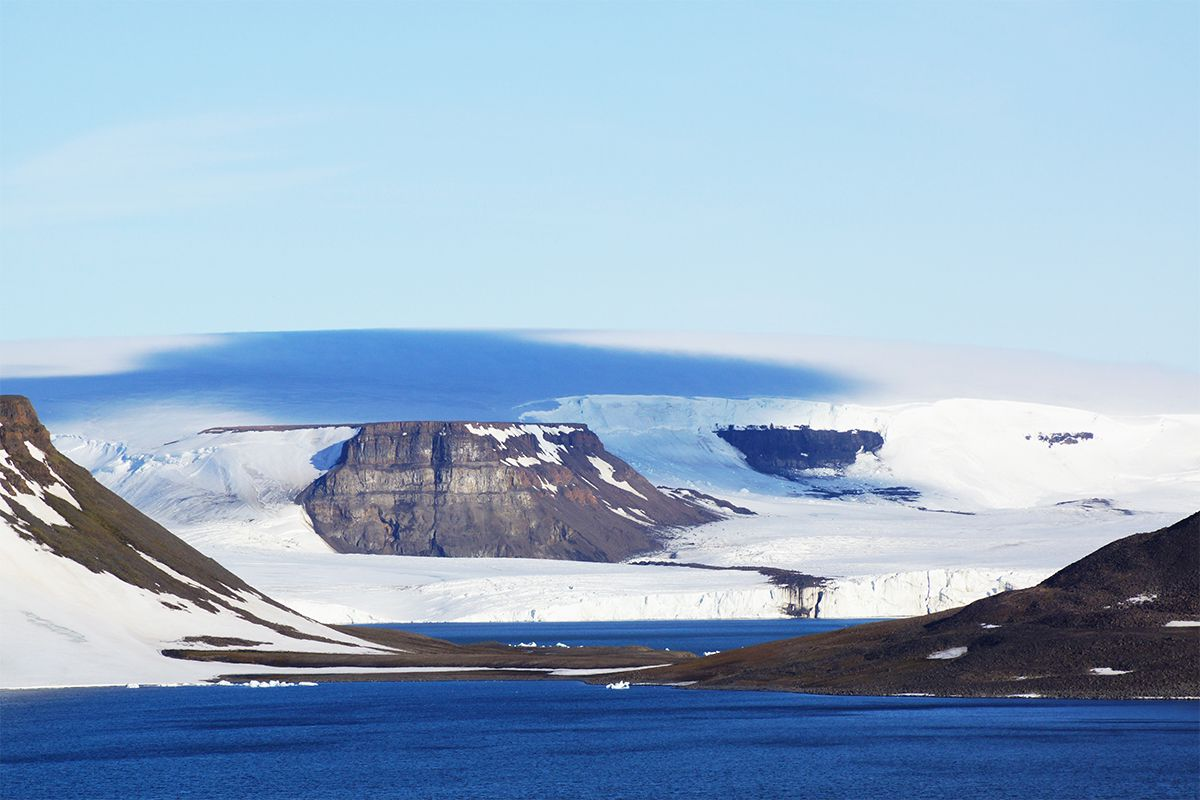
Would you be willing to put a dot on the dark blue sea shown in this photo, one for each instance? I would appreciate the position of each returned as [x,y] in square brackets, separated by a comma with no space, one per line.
[694,636]
[571,740]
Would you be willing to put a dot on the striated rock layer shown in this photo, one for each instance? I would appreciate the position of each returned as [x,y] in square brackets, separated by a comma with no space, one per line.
[489,489]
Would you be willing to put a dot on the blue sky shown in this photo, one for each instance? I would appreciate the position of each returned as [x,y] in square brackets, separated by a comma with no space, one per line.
[1011,174]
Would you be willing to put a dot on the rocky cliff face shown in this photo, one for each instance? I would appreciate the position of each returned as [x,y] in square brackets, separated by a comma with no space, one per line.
[489,489]
[785,451]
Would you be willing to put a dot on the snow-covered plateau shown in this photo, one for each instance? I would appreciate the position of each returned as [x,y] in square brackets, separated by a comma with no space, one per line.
[998,508]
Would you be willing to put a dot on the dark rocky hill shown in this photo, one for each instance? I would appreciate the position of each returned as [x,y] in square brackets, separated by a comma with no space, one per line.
[1101,627]
[489,489]
[786,451]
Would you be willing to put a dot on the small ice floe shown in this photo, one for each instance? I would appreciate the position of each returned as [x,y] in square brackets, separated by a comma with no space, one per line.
[711,652]
[524,644]
[948,653]
[1109,671]
[1138,599]
[988,626]
[133,686]
[560,644]
[913,694]
[1183,623]
[1027,695]
[273,684]
[617,685]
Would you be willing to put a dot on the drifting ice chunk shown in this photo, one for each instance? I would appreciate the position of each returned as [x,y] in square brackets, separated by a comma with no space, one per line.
[1109,671]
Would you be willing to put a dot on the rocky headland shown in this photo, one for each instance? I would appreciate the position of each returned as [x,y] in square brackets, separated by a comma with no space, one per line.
[1123,622]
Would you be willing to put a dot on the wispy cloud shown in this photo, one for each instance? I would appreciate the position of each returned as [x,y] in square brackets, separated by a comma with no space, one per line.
[152,168]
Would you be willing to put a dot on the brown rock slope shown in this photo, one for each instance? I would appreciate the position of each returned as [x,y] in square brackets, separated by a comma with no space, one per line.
[1098,628]
[489,489]
[48,501]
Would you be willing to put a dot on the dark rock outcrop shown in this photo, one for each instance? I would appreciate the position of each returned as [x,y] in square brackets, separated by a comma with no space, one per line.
[1098,628]
[1063,437]
[786,451]
[489,489]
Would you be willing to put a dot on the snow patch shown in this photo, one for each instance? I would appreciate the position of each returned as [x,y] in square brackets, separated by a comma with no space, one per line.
[607,472]
[948,653]
[1108,671]
[521,461]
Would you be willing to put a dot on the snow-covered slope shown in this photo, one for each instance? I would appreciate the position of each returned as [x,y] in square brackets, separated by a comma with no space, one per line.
[91,590]
[972,454]
[234,487]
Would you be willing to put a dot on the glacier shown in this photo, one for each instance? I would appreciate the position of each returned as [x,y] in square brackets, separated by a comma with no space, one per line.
[230,493]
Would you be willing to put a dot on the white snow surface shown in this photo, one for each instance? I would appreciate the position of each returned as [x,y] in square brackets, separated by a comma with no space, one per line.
[63,624]
[241,483]
[972,453]
[375,588]
[947,654]
[905,594]
[607,470]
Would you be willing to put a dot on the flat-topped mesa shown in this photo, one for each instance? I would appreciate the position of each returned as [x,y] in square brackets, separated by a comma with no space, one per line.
[18,416]
[786,451]
[478,489]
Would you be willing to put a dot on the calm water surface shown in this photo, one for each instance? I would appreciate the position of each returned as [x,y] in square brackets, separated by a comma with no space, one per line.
[570,740]
[694,636]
